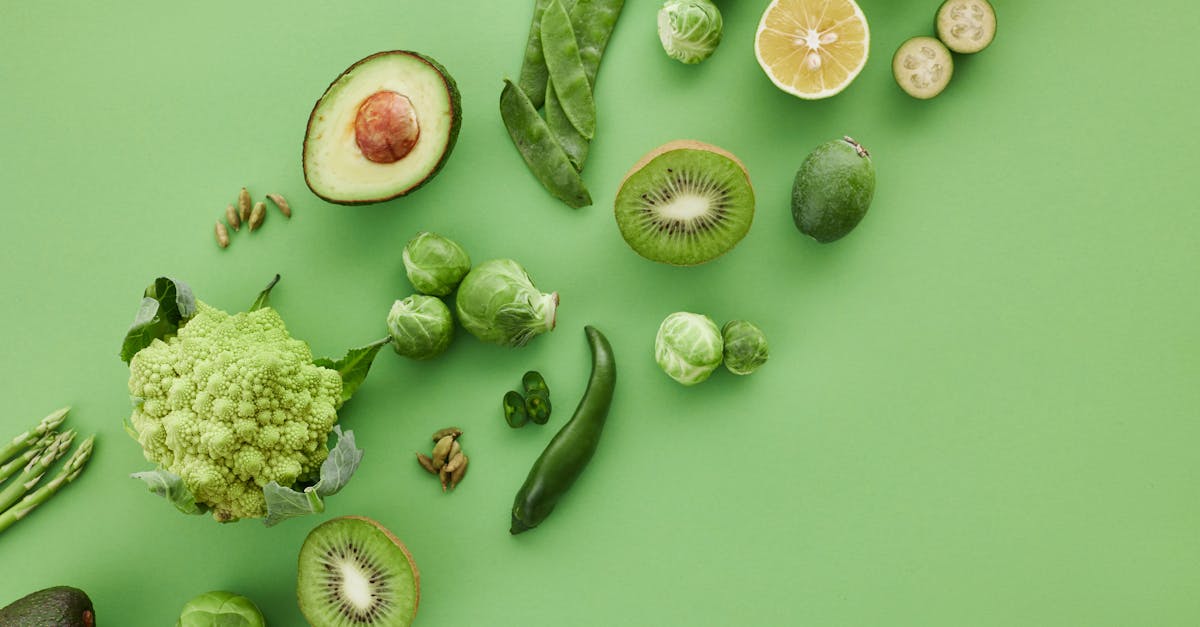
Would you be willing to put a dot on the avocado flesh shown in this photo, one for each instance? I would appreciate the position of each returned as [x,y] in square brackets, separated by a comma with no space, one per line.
[334,165]
[62,606]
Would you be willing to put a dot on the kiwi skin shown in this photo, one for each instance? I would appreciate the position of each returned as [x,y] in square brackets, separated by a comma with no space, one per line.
[686,144]
[412,563]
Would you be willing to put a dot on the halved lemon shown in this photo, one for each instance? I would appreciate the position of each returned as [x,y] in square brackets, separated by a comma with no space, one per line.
[812,48]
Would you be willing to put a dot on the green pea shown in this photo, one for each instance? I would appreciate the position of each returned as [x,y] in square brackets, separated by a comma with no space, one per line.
[593,22]
[514,410]
[567,76]
[541,153]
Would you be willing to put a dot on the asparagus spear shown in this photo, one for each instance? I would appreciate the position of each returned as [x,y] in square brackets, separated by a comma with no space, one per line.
[35,469]
[18,462]
[70,470]
[29,438]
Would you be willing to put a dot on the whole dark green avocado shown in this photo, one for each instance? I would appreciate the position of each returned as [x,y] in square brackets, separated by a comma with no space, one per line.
[61,606]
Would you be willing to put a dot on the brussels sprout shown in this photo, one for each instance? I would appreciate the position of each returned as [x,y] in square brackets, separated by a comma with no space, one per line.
[689,29]
[688,347]
[435,264]
[421,326]
[745,347]
[220,609]
[498,303]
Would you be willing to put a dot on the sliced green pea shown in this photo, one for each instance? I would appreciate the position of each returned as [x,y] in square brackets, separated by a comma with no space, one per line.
[514,410]
[569,80]
[541,153]
[537,407]
[533,382]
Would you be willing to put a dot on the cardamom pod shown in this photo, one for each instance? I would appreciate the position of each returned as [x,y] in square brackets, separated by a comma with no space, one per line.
[426,463]
[454,463]
[441,452]
[231,216]
[455,449]
[453,432]
[282,204]
[459,472]
[258,215]
[444,475]
[244,204]
[222,235]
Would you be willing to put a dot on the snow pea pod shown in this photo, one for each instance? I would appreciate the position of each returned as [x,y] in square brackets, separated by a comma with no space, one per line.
[533,68]
[541,153]
[593,22]
[569,79]
[573,446]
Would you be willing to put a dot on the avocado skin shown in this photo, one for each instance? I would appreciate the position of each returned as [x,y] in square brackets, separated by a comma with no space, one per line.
[61,606]
[455,125]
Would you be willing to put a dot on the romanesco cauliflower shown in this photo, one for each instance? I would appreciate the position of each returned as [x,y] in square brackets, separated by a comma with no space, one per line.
[231,403]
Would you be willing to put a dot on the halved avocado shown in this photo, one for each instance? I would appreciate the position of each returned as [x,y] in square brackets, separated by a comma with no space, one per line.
[382,129]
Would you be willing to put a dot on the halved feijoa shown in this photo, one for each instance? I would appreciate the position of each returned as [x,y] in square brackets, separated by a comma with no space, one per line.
[685,203]
[922,67]
[382,129]
[355,573]
[966,26]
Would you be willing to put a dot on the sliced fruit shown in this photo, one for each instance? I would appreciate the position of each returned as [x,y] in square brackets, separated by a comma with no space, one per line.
[382,129]
[922,67]
[685,203]
[812,48]
[355,573]
[966,26]
[833,189]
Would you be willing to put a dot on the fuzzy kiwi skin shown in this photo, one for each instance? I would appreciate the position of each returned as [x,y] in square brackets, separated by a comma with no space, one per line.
[391,536]
[685,144]
[833,190]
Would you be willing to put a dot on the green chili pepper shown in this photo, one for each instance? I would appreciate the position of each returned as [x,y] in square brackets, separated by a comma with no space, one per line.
[573,446]
[514,410]
[593,22]
[533,382]
[541,153]
[537,406]
[569,79]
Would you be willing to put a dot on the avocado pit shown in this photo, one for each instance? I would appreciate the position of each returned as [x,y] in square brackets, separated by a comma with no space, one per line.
[386,127]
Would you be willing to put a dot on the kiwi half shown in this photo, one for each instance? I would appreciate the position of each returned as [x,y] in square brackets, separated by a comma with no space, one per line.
[685,203]
[355,573]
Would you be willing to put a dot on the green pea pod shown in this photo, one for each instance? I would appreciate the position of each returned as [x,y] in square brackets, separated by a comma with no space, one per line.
[573,446]
[541,153]
[514,410]
[532,381]
[537,406]
[569,80]
[593,22]
[533,68]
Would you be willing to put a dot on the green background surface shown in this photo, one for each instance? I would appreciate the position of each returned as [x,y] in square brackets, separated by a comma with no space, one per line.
[981,407]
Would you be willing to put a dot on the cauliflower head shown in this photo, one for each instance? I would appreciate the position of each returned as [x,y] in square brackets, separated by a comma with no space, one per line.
[231,403]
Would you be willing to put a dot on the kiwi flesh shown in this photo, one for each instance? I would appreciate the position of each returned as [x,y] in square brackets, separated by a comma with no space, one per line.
[685,203]
[353,572]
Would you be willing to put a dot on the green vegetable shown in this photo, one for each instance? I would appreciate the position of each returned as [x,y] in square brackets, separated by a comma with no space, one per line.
[690,30]
[534,75]
[60,606]
[542,154]
[435,265]
[71,470]
[34,470]
[514,409]
[537,406]
[232,408]
[15,465]
[167,305]
[221,609]
[573,446]
[497,302]
[567,75]
[745,347]
[33,436]
[593,22]
[533,382]
[688,347]
[421,327]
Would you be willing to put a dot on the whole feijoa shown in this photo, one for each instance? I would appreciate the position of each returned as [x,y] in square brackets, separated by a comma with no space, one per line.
[833,190]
